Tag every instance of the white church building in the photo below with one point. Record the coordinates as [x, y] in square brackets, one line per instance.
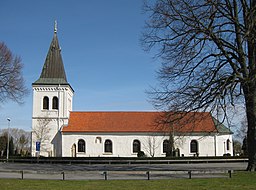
[59, 131]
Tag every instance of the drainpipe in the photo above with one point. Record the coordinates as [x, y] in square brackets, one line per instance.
[215, 145]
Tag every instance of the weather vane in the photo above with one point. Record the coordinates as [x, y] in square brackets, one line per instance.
[55, 26]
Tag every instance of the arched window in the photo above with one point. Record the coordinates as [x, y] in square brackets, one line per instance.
[46, 103]
[55, 103]
[81, 145]
[166, 146]
[108, 146]
[194, 146]
[228, 144]
[136, 146]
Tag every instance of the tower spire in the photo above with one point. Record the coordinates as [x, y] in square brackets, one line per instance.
[55, 26]
[53, 71]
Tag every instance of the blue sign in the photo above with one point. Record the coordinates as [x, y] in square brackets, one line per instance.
[38, 146]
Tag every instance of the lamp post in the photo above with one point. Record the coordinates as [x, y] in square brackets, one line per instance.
[7, 153]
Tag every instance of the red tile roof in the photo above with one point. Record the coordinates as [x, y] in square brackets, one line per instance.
[118, 122]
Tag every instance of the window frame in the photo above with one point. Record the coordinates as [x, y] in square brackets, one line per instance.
[81, 146]
[194, 147]
[228, 144]
[136, 146]
[108, 146]
[166, 146]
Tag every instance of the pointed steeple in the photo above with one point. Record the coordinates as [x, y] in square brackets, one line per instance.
[53, 71]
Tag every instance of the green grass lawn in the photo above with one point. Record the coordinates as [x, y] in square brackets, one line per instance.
[239, 181]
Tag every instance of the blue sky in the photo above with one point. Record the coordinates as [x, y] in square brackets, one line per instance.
[101, 51]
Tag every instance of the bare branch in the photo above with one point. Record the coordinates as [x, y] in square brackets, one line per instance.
[12, 85]
[208, 54]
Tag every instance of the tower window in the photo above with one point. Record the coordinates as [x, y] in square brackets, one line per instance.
[108, 146]
[136, 146]
[81, 145]
[55, 103]
[46, 103]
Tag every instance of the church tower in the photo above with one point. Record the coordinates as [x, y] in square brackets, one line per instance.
[52, 103]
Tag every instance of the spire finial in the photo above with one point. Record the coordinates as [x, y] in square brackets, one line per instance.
[55, 26]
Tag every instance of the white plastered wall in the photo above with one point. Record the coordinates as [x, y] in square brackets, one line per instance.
[58, 118]
[122, 144]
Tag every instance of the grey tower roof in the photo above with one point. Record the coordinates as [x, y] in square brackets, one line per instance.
[53, 71]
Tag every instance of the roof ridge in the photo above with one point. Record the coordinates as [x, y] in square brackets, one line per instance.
[143, 111]
[116, 112]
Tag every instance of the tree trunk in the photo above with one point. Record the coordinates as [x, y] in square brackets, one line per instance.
[171, 145]
[250, 98]
[249, 88]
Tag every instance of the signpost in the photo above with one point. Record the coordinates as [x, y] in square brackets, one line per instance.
[38, 143]
[38, 146]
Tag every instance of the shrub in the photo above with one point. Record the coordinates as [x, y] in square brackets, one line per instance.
[141, 154]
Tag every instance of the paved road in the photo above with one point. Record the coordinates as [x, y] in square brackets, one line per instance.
[122, 167]
[96, 172]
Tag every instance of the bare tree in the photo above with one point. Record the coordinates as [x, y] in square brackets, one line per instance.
[19, 134]
[42, 133]
[151, 144]
[3, 144]
[21, 138]
[208, 52]
[12, 84]
[23, 142]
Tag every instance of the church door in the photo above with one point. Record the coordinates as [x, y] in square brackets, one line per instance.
[73, 150]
